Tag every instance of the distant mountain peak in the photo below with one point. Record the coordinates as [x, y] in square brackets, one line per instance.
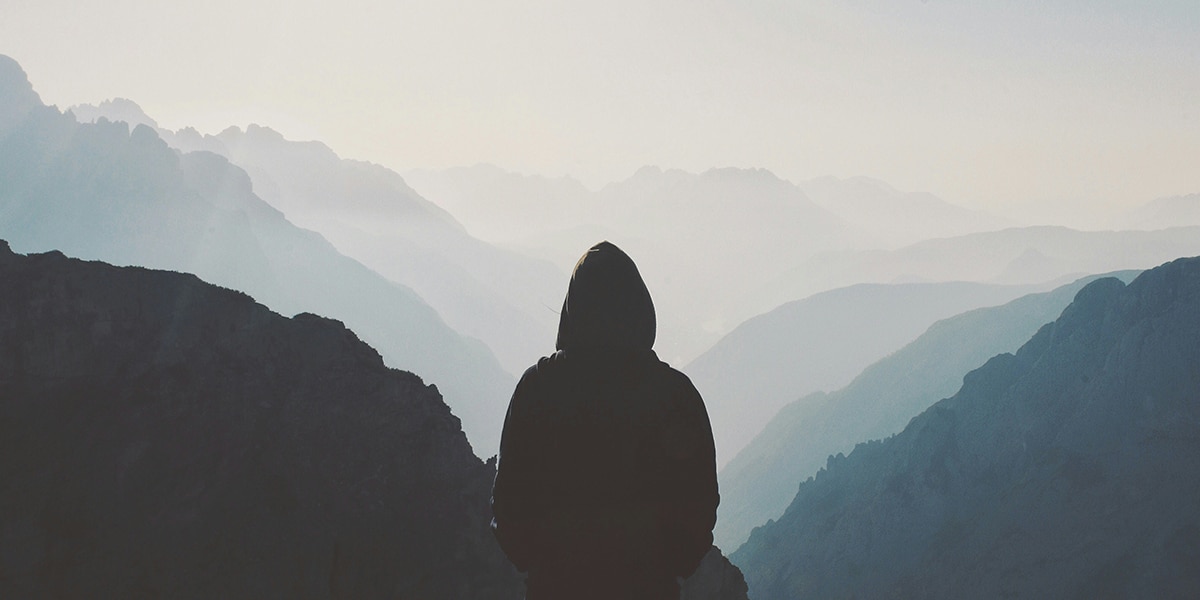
[741, 173]
[113, 109]
[13, 79]
[17, 97]
[264, 132]
[1166, 212]
[647, 171]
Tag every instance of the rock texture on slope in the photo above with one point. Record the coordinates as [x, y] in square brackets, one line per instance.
[163, 437]
[760, 482]
[1067, 470]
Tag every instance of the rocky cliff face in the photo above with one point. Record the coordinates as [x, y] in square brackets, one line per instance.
[162, 437]
[1067, 470]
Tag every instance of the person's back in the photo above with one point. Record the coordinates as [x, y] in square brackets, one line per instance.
[606, 484]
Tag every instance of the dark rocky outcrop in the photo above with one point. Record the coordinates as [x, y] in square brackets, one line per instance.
[715, 579]
[162, 437]
[1066, 470]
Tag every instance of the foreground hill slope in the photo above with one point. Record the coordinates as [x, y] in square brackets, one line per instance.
[101, 191]
[1067, 470]
[760, 482]
[163, 437]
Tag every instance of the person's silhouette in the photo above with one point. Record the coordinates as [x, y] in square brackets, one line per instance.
[606, 485]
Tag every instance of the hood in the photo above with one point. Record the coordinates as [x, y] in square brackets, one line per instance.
[607, 304]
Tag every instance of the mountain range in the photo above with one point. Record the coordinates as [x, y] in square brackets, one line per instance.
[817, 344]
[1065, 470]
[760, 482]
[101, 191]
[722, 246]
[1016, 255]
[369, 213]
[1161, 213]
[885, 217]
[708, 242]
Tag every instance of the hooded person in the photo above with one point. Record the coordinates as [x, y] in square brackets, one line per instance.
[606, 485]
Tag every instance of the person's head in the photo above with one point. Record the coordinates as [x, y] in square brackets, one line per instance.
[607, 304]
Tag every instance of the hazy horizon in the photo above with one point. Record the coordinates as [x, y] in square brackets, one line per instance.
[1034, 110]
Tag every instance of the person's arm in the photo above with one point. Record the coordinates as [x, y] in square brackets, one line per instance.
[691, 483]
[514, 493]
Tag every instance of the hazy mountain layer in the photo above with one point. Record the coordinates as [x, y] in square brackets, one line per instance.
[760, 482]
[819, 344]
[1014, 256]
[526, 211]
[1067, 470]
[507, 300]
[888, 218]
[1173, 211]
[694, 237]
[709, 242]
[163, 437]
[103, 192]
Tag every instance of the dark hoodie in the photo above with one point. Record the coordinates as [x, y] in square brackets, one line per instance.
[606, 485]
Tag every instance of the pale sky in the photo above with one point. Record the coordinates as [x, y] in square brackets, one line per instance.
[1001, 105]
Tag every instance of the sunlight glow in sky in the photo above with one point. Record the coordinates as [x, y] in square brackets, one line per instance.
[1009, 106]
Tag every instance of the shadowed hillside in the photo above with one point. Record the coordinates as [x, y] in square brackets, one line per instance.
[820, 343]
[760, 482]
[162, 437]
[1067, 470]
